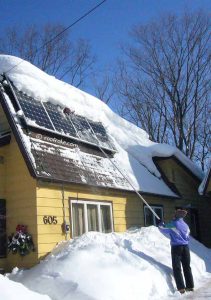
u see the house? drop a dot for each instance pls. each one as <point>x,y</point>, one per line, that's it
<point>205,207</point>
<point>69,165</point>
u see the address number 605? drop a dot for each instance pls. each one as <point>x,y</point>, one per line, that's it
<point>50,220</point>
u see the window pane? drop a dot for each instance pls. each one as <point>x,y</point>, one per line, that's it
<point>92,217</point>
<point>78,219</point>
<point>159,213</point>
<point>148,217</point>
<point>105,218</point>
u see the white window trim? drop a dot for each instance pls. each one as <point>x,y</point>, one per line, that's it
<point>154,218</point>
<point>98,204</point>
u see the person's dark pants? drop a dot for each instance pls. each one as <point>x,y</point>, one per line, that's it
<point>181,256</point>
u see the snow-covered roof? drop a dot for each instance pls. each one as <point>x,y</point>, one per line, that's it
<point>135,151</point>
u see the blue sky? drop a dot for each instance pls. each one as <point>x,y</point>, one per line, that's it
<point>105,28</point>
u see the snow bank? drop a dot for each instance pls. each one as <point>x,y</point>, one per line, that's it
<point>135,150</point>
<point>11,290</point>
<point>132,265</point>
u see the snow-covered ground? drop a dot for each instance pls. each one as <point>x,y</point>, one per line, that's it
<point>12,290</point>
<point>133,265</point>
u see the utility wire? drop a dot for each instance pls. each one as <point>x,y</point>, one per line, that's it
<point>60,33</point>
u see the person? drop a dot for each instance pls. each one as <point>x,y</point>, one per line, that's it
<point>179,232</point>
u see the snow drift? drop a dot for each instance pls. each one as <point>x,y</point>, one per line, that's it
<point>12,290</point>
<point>132,265</point>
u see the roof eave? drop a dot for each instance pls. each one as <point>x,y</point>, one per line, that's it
<point>66,182</point>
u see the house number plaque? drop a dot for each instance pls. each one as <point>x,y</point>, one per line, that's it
<point>50,220</point>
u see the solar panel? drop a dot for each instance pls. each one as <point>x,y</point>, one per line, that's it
<point>61,123</point>
<point>34,111</point>
<point>84,131</point>
<point>101,135</point>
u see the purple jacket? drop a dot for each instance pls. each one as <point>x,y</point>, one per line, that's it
<point>178,231</point>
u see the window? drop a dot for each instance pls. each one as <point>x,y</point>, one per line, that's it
<point>149,218</point>
<point>91,216</point>
<point>3,239</point>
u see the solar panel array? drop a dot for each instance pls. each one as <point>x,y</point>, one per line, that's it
<point>50,116</point>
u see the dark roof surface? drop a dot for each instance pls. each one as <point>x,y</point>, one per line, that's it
<point>74,163</point>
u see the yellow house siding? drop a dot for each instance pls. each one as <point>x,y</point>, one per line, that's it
<point>3,263</point>
<point>2,188</point>
<point>128,209</point>
<point>20,195</point>
<point>2,171</point>
<point>167,203</point>
<point>184,182</point>
<point>49,203</point>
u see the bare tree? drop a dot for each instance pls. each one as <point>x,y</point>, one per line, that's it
<point>165,81</point>
<point>60,57</point>
<point>103,86</point>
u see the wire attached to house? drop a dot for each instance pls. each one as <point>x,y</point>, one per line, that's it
<point>60,33</point>
<point>125,177</point>
<point>63,209</point>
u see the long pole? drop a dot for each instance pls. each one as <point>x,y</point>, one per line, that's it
<point>125,177</point>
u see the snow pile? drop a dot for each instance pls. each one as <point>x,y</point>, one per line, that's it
<point>12,290</point>
<point>132,265</point>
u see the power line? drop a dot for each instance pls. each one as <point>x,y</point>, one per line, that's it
<point>60,33</point>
